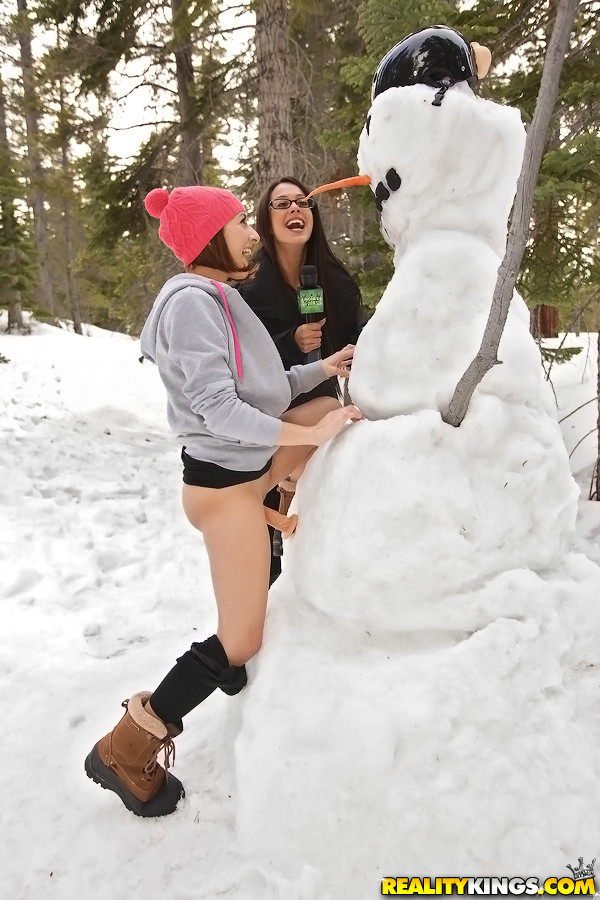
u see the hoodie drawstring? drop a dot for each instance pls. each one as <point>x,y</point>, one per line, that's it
<point>236,343</point>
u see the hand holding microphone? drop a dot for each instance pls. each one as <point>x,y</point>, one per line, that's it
<point>308,337</point>
<point>311,307</point>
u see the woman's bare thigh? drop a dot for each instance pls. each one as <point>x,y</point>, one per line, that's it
<point>235,534</point>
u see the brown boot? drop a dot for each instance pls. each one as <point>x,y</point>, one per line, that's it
<point>124,761</point>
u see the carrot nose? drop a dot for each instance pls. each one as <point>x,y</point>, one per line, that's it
<point>345,182</point>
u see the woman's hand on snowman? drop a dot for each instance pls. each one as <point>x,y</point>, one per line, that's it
<point>339,363</point>
<point>294,435</point>
<point>332,423</point>
<point>308,336</point>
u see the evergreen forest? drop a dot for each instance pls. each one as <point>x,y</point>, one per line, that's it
<point>103,100</point>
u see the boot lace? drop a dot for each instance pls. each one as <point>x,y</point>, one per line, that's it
<point>169,748</point>
<point>166,744</point>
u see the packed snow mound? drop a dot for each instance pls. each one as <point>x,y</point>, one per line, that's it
<point>428,327</point>
<point>424,753</point>
<point>414,518</point>
<point>424,638</point>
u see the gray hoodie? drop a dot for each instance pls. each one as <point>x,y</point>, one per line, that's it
<point>226,385</point>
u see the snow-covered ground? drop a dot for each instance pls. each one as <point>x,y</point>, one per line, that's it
<point>103,583</point>
<point>575,385</point>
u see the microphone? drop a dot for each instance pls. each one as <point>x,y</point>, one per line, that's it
<point>310,302</point>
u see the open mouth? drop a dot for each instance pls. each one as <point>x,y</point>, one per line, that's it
<point>384,190</point>
<point>295,225</point>
<point>247,252</point>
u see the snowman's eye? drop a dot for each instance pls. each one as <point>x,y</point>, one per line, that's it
<point>393,179</point>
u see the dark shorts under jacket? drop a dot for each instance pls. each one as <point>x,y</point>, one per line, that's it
<point>210,475</point>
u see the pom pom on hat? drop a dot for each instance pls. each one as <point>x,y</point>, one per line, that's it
<point>156,201</point>
<point>191,216</point>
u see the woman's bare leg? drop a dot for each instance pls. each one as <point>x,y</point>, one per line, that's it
<point>232,522</point>
<point>233,525</point>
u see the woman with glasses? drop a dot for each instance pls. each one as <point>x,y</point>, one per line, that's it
<point>291,236</point>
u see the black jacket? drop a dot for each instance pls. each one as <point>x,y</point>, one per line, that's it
<point>275,303</point>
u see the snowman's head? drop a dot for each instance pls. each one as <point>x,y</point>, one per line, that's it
<point>452,167</point>
<point>431,165</point>
<point>438,57</point>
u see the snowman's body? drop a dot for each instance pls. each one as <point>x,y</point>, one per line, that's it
<point>407,565</point>
<point>447,223</point>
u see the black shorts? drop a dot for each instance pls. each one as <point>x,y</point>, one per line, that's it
<point>210,475</point>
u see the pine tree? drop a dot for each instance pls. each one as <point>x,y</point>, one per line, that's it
<point>275,65</point>
<point>17,254</point>
<point>326,34</point>
<point>559,270</point>
<point>189,84</point>
<point>72,129</point>
<point>22,25</point>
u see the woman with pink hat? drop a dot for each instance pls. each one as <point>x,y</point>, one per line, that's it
<point>227,393</point>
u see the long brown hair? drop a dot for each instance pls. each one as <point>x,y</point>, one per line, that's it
<point>318,253</point>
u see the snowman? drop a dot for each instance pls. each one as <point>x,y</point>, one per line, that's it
<point>396,703</point>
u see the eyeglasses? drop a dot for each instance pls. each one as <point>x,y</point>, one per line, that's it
<point>285,203</point>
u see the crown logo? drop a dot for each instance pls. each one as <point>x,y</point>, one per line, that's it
<point>580,871</point>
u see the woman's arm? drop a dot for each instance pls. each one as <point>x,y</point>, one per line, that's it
<point>315,435</point>
<point>304,378</point>
<point>198,346</point>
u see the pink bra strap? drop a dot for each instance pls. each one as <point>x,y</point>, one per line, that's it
<point>236,343</point>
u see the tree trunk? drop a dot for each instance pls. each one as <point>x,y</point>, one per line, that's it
<point>45,293</point>
<point>544,321</point>
<point>15,317</point>
<point>71,290</point>
<point>274,64</point>
<point>544,232</point>
<point>9,227</point>
<point>67,219</point>
<point>486,357</point>
<point>189,168</point>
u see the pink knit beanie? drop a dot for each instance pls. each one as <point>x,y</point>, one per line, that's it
<point>191,216</point>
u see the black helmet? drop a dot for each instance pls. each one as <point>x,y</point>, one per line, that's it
<point>436,56</point>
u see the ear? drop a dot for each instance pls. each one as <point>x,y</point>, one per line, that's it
<point>483,59</point>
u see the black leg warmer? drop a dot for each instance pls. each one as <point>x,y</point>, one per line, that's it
<point>202,669</point>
